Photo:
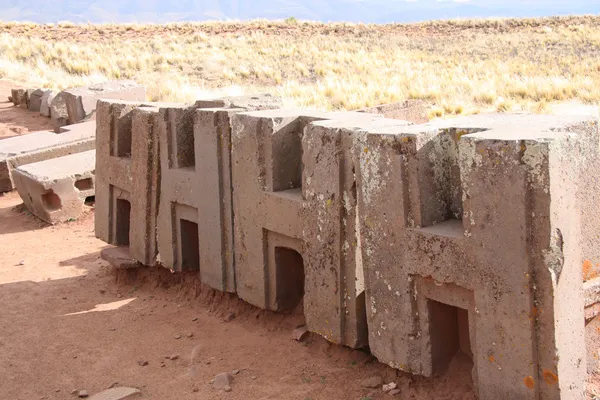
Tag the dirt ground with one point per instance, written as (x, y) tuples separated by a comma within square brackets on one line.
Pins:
[(15, 121), (70, 322)]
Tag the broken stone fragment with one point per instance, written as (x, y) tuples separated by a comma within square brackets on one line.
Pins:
[(117, 393), (372, 382), (300, 333), (222, 380)]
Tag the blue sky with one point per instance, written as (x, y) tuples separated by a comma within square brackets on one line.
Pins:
[(376, 11)]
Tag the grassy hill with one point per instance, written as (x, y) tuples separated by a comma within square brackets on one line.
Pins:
[(459, 66)]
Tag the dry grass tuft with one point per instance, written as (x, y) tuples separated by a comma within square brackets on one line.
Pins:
[(459, 66)]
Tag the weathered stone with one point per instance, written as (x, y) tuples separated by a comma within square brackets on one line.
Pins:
[(389, 386), (414, 111), (473, 241), (35, 99), (300, 333), (82, 393), (117, 393), (40, 146), (58, 112), (45, 102), (28, 93), (222, 380), (55, 190), (276, 269), (199, 140), (372, 382), (81, 101), (18, 96), (119, 258)]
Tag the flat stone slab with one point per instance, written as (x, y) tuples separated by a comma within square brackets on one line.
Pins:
[(118, 393), (119, 257), (81, 102), (43, 145), (56, 190)]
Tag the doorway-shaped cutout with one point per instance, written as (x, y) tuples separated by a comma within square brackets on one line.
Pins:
[(449, 334), (289, 272), (51, 201), (190, 251), (123, 218), (84, 184)]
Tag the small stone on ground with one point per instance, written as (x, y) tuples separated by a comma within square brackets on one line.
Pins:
[(372, 382), (222, 380)]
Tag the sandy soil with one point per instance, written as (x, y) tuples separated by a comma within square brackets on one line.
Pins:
[(69, 322)]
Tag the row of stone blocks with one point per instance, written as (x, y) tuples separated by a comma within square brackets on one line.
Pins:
[(418, 241)]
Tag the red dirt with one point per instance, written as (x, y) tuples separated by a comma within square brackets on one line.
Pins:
[(15, 121), (51, 277)]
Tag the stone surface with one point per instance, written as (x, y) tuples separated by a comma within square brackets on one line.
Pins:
[(119, 257), (45, 102), (28, 93), (196, 175), (372, 382), (277, 218), (35, 99), (471, 231), (55, 190), (300, 333), (117, 393), (82, 393), (80, 102), (389, 386), (58, 112), (222, 380), (40, 146), (18, 96), (414, 111), (127, 146)]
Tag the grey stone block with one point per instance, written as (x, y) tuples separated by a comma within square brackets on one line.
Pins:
[(55, 190), (40, 146)]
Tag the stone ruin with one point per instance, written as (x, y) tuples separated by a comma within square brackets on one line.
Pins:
[(463, 237)]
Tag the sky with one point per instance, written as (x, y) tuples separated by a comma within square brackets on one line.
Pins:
[(368, 11)]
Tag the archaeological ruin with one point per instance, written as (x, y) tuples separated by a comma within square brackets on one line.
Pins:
[(473, 237)]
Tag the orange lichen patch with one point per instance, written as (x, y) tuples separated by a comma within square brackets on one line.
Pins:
[(550, 377), (534, 312), (589, 272), (366, 150), (529, 382), (491, 358)]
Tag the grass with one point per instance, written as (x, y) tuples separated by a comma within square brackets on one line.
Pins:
[(458, 66)]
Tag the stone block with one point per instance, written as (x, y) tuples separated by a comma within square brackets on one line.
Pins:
[(45, 102), (18, 96), (334, 295), (414, 111), (28, 93), (58, 112), (471, 244), (35, 99), (40, 146), (81, 102), (119, 257), (127, 176), (279, 199), (195, 228), (56, 190)]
